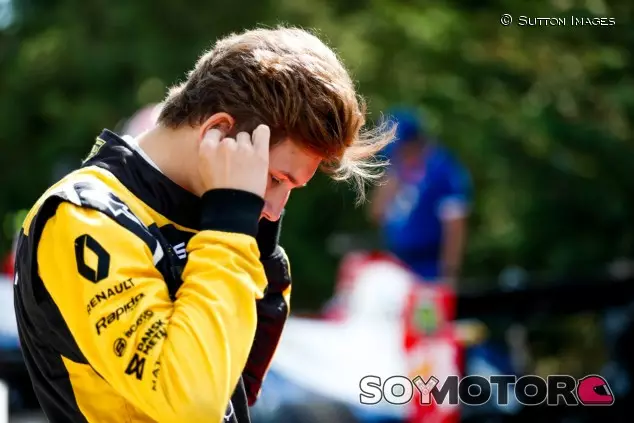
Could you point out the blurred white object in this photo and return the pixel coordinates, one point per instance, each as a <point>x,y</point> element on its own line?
<point>379,293</point>
<point>8,324</point>
<point>4,402</point>
<point>330,358</point>
<point>621,268</point>
<point>142,120</point>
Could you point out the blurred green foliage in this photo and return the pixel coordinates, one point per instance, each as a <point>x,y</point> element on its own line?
<point>542,115</point>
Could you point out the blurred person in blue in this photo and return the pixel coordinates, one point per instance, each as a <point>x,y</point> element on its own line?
<point>423,204</point>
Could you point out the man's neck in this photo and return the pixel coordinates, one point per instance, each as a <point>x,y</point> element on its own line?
<point>174,152</point>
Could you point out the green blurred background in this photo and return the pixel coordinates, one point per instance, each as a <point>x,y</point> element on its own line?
<point>541,115</point>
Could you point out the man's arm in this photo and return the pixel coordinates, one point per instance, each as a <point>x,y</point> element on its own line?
<point>175,361</point>
<point>453,212</point>
<point>453,243</point>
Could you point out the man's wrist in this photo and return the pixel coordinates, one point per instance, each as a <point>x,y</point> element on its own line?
<point>231,210</point>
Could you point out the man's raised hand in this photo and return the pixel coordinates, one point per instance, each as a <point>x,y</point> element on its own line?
<point>241,163</point>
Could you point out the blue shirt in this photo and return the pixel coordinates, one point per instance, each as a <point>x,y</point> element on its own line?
<point>412,226</point>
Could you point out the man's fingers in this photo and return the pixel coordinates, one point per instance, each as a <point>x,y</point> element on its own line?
<point>213,136</point>
<point>229,144</point>
<point>261,139</point>
<point>235,163</point>
<point>243,139</point>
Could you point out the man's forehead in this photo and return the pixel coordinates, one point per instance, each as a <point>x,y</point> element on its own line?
<point>293,162</point>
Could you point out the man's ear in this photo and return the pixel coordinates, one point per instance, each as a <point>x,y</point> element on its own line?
<point>221,121</point>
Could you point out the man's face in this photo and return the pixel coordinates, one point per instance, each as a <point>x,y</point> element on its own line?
<point>289,167</point>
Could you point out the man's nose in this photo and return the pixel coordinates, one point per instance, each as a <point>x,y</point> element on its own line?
<point>274,206</point>
<point>272,213</point>
<point>274,202</point>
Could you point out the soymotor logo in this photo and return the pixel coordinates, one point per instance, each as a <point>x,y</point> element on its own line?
<point>591,390</point>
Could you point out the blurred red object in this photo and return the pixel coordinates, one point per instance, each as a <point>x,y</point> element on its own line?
<point>430,310</point>
<point>432,346</point>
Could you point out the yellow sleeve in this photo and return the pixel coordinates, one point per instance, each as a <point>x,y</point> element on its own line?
<point>176,361</point>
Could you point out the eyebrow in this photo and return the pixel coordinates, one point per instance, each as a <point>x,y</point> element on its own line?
<point>292,179</point>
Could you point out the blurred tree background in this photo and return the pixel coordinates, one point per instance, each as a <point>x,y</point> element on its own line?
<point>542,115</point>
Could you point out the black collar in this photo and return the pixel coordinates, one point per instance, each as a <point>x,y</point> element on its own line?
<point>145,181</point>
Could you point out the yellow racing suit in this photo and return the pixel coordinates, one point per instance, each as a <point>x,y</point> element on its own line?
<point>138,301</point>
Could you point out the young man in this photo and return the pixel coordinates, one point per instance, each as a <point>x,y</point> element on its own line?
<point>423,206</point>
<point>149,283</point>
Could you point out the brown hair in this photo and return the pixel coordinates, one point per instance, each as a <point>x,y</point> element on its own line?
<point>289,80</point>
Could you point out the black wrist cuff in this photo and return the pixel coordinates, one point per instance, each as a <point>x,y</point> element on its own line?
<point>231,210</point>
